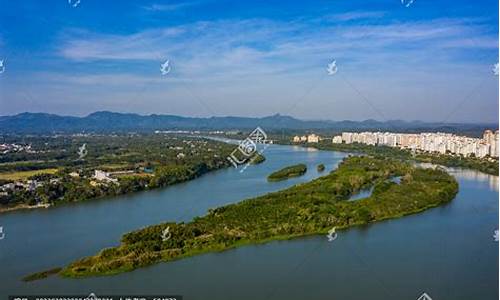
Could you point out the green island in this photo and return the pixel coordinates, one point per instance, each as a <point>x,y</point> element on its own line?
<point>304,209</point>
<point>320,167</point>
<point>288,172</point>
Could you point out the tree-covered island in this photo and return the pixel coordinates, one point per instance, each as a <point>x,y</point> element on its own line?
<point>304,209</point>
<point>288,172</point>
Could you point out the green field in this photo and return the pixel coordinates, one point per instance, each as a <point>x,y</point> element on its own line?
<point>23,175</point>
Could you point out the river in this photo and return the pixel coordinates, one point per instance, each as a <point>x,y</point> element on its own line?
<point>448,252</point>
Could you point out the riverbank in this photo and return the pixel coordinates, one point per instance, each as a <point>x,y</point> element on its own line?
<point>309,208</point>
<point>23,207</point>
<point>484,165</point>
<point>164,177</point>
<point>113,165</point>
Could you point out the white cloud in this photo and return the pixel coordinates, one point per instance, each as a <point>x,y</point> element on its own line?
<point>269,43</point>
<point>89,80</point>
<point>169,7</point>
<point>356,15</point>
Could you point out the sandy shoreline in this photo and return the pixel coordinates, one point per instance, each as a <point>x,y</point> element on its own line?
<point>24,206</point>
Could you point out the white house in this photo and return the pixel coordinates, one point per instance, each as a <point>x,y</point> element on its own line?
<point>312,138</point>
<point>337,139</point>
<point>103,176</point>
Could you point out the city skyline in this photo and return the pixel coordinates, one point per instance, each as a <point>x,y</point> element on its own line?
<point>253,59</point>
<point>431,142</point>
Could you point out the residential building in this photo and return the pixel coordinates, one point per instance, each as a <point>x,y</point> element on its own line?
<point>312,138</point>
<point>429,142</point>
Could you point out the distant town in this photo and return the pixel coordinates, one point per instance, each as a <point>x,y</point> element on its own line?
<point>6,148</point>
<point>444,143</point>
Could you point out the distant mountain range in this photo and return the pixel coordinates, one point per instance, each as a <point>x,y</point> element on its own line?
<point>106,122</point>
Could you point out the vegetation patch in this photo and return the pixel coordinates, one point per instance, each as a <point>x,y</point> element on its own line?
<point>41,275</point>
<point>22,175</point>
<point>130,163</point>
<point>309,208</point>
<point>454,161</point>
<point>288,172</point>
<point>257,159</point>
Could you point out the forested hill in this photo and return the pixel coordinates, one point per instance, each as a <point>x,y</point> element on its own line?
<point>125,122</point>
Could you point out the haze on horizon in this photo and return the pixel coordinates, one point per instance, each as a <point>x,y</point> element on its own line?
<point>431,61</point>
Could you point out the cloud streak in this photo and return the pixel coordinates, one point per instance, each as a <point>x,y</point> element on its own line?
<point>261,46</point>
<point>356,15</point>
<point>169,7</point>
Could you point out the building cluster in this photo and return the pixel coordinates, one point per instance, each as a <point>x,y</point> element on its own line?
<point>177,131</point>
<point>444,143</point>
<point>311,138</point>
<point>100,177</point>
<point>30,185</point>
<point>7,148</point>
<point>103,176</point>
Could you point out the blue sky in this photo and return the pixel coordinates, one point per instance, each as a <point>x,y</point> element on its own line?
<point>429,61</point>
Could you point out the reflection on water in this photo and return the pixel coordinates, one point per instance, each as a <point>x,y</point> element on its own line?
<point>467,174</point>
<point>396,179</point>
<point>476,176</point>
<point>364,193</point>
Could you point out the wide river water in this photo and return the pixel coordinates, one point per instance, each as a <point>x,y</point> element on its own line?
<point>448,252</point>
